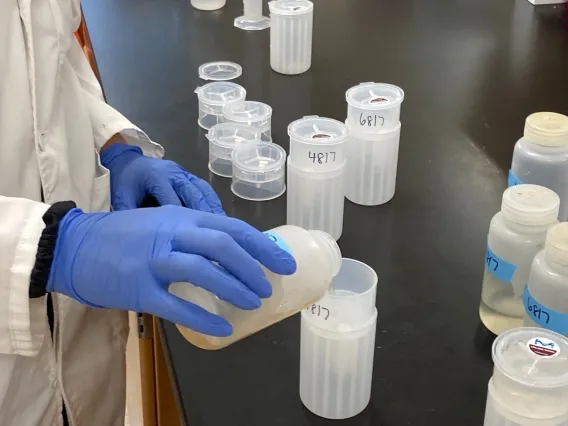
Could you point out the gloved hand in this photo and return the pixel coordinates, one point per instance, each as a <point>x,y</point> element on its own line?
<point>133,176</point>
<point>127,260</point>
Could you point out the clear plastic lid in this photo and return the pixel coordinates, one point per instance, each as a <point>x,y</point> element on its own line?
<point>220,71</point>
<point>374,96</point>
<point>556,245</point>
<point>229,135</point>
<point>547,128</point>
<point>259,157</point>
<point>247,111</point>
<point>291,7</point>
<point>530,205</point>
<point>318,130</point>
<point>220,93</point>
<point>532,356</point>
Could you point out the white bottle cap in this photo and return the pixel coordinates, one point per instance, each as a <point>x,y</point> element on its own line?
<point>556,246</point>
<point>547,128</point>
<point>530,205</point>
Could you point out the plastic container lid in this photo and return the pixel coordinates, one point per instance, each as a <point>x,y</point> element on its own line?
<point>318,130</point>
<point>530,205</point>
<point>291,7</point>
<point>220,93</point>
<point>247,111</point>
<point>547,128</point>
<point>556,245</point>
<point>220,71</point>
<point>374,96</point>
<point>532,356</point>
<point>229,135</point>
<point>258,171</point>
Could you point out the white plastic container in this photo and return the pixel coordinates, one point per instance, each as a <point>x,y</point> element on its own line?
<point>252,19</point>
<point>540,157</point>
<point>223,139</point>
<point>546,295</point>
<point>258,171</point>
<point>213,97</point>
<point>516,234</point>
<point>338,344</point>
<point>317,144</point>
<point>318,260</point>
<point>208,4</point>
<point>370,178</point>
<point>291,35</point>
<point>374,107</point>
<point>251,113</point>
<point>529,386</point>
<point>316,199</point>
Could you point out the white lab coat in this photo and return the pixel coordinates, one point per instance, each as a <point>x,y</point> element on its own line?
<point>52,123</point>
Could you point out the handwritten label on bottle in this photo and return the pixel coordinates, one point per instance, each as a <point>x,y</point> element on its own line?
<point>500,268</point>
<point>371,120</point>
<point>322,157</point>
<point>513,180</point>
<point>319,311</point>
<point>277,239</point>
<point>544,316</point>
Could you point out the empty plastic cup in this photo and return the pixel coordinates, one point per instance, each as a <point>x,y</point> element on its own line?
<point>317,143</point>
<point>338,344</point>
<point>223,139</point>
<point>373,107</point>
<point>258,171</point>
<point>213,97</point>
<point>251,113</point>
<point>252,18</point>
<point>529,386</point>
<point>291,35</point>
<point>316,199</point>
<point>370,178</point>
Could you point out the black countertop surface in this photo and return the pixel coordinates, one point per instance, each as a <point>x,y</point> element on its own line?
<point>472,71</point>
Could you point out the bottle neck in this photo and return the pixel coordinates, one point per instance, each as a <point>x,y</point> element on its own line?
<point>330,251</point>
<point>524,228</point>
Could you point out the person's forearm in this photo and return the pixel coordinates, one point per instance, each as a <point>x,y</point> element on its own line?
<point>117,138</point>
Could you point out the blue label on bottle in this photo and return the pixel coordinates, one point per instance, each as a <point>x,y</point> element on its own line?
<point>277,239</point>
<point>500,268</point>
<point>513,180</point>
<point>543,316</point>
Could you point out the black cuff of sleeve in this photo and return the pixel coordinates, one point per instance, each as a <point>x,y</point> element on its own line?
<point>46,247</point>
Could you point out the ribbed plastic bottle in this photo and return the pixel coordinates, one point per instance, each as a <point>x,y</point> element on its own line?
<point>318,260</point>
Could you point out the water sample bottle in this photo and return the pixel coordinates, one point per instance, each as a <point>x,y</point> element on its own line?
<point>546,295</point>
<point>541,156</point>
<point>529,386</point>
<point>252,18</point>
<point>516,234</point>
<point>338,344</point>
<point>318,260</point>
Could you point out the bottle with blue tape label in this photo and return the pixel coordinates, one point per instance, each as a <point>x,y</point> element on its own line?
<point>513,180</point>
<point>544,316</point>
<point>498,267</point>
<point>277,239</point>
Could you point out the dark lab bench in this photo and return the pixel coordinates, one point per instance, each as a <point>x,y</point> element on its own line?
<point>472,71</point>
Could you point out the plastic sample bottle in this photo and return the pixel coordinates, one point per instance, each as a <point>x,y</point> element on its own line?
<point>540,157</point>
<point>516,234</point>
<point>546,295</point>
<point>529,386</point>
<point>318,260</point>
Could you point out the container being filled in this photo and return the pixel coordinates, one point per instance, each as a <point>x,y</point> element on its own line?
<point>370,178</point>
<point>338,344</point>
<point>291,35</point>
<point>213,97</point>
<point>516,234</point>
<point>251,113</point>
<point>540,157</point>
<point>252,19</point>
<point>529,386</point>
<point>546,295</point>
<point>258,171</point>
<point>374,107</point>
<point>318,260</point>
<point>223,139</point>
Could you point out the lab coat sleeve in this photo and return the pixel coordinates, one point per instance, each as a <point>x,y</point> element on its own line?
<point>106,120</point>
<point>22,320</point>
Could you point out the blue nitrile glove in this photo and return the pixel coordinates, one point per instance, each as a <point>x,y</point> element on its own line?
<point>127,260</point>
<point>133,176</point>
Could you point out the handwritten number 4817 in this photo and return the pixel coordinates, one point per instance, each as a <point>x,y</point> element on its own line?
<point>322,157</point>
<point>491,262</point>
<point>319,310</point>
